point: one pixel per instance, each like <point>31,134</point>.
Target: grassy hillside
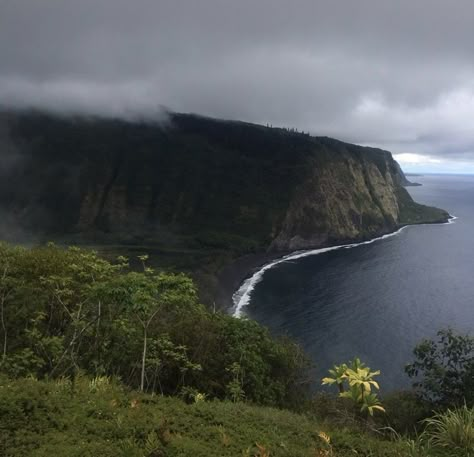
<point>92,418</point>
<point>97,417</point>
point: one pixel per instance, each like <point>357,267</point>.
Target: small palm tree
<point>360,381</point>
<point>338,373</point>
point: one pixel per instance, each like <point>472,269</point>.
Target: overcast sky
<point>398,74</point>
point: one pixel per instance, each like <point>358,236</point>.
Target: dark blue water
<point>377,301</point>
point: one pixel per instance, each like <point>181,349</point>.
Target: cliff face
<point>357,196</point>
<point>195,183</point>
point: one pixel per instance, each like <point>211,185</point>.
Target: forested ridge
<point>195,192</point>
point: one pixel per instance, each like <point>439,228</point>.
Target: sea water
<point>375,300</point>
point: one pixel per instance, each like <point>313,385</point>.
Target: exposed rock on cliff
<point>357,196</point>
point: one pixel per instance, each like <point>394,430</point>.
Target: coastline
<point>233,277</point>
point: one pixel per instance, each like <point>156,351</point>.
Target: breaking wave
<point>241,298</point>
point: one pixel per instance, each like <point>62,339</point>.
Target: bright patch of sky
<point>419,163</point>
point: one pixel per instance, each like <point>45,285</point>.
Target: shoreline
<point>231,277</point>
<point>245,269</point>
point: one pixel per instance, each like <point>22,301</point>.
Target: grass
<point>101,418</point>
<point>453,429</point>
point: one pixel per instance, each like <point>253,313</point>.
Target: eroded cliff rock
<point>346,200</point>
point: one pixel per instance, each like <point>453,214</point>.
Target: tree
<point>75,303</point>
<point>444,369</point>
<point>8,261</point>
<point>145,295</point>
<point>359,380</point>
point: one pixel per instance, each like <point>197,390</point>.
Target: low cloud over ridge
<point>398,75</point>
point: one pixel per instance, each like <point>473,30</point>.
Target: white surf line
<point>241,297</point>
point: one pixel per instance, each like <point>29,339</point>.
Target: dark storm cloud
<point>398,74</point>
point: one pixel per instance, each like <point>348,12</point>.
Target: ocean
<point>376,300</point>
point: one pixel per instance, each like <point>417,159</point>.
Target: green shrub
<point>444,369</point>
<point>405,411</point>
<point>68,311</point>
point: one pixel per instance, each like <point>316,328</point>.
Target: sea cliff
<point>200,191</point>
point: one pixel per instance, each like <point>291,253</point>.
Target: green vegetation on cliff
<point>414,213</point>
<point>193,181</point>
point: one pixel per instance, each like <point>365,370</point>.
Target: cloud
<point>408,158</point>
<point>113,99</point>
<point>398,75</point>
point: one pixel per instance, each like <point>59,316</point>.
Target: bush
<point>67,311</point>
<point>444,369</point>
<point>405,411</point>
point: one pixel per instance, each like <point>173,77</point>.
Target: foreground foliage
<point>444,369</point>
<point>89,417</point>
<point>64,312</point>
<point>92,354</point>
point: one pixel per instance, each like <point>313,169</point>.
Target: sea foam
<point>241,298</point>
